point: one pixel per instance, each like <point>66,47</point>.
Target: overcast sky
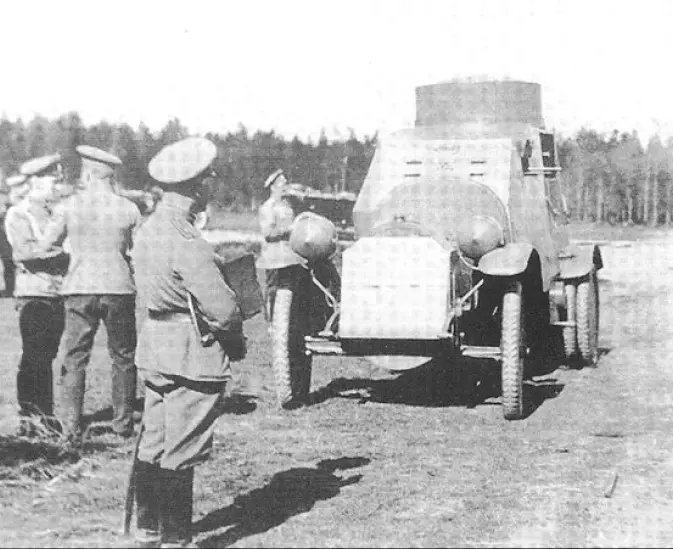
<point>297,66</point>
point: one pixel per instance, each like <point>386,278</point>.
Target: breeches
<point>179,419</point>
<point>84,314</point>
<point>41,326</point>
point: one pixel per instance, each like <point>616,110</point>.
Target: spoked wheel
<point>512,351</point>
<point>588,319</point>
<point>570,332</point>
<point>291,364</point>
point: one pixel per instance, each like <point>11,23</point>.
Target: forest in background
<point>606,177</point>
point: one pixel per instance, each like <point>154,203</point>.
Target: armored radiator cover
<point>395,288</point>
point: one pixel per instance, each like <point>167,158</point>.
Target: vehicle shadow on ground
<point>462,382</point>
<point>287,494</point>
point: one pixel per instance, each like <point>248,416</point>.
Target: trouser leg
<point>81,325</point>
<point>9,268</point>
<point>41,326</point>
<point>120,322</point>
<point>272,278</point>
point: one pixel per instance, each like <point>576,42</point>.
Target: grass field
<point>247,222</point>
<point>379,459</point>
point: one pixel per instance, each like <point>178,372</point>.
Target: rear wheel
<point>570,332</point>
<point>291,364</point>
<point>588,319</point>
<point>512,352</point>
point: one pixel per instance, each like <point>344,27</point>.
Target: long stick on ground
<point>131,486</point>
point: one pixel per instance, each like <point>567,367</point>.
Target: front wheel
<point>512,352</point>
<point>291,364</point>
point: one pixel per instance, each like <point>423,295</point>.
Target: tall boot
<point>72,397</point>
<point>147,501</point>
<point>175,507</point>
<point>124,383</point>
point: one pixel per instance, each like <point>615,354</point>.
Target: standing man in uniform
<point>180,286</point>
<point>18,188</point>
<point>284,268</point>
<point>275,219</point>
<point>98,286</point>
<point>38,283</point>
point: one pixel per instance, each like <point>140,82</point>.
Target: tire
<point>291,365</point>
<point>511,352</point>
<point>570,332</point>
<point>588,319</point>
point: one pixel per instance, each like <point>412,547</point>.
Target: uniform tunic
<point>275,220</point>
<point>184,380</point>
<point>99,226</point>
<point>41,317</point>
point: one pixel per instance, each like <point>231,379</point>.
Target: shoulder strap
<point>185,228</point>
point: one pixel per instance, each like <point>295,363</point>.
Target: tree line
<point>614,178</point>
<point>244,160</point>
<point>605,177</point>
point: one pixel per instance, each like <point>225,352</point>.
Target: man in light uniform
<point>275,220</point>
<point>38,283</point>
<point>184,380</point>
<point>18,188</point>
<point>98,286</point>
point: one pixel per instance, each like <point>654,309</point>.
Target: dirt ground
<point>417,459</point>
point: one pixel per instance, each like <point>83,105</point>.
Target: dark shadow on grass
<point>459,381</point>
<point>287,494</point>
<point>105,414</point>
<point>238,404</point>
<point>39,458</point>
<point>17,451</point>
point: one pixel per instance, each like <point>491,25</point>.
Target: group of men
<point>87,258</point>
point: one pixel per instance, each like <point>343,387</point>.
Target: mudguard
<point>278,257</point>
<point>511,259</point>
<point>577,261</point>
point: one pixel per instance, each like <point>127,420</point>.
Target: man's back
<point>99,226</point>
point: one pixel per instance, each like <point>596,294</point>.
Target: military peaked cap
<point>98,155</point>
<point>41,165</point>
<point>183,160</point>
<point>16,180</point>
<point>275,175</point>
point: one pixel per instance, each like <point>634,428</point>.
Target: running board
<point>321,346</point>
<point>474,351</point>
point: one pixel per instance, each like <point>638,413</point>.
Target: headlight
<point>313,236</point>
<point>479,235</point>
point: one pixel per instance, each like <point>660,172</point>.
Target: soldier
<point>284,268</point>
<point>99,285</point>
<point>38,281</point>
<point>18,188</point>
<point>275,219</point>
<point>185,377</point>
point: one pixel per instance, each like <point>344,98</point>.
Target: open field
<point>246,222</point>
<point>421,458</point>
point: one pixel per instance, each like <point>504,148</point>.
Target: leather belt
<point>282,238</point>
<point>170,316</point>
